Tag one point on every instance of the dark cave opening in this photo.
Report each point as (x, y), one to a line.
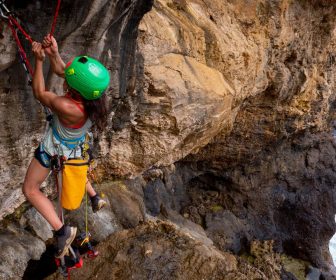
(40, 269)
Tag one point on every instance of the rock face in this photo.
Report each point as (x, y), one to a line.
(17, 248)
(8, 47)
(160, 250)
(220, 119)
(277, 161)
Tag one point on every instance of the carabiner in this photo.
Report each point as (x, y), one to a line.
(2, 15)
(3, 10)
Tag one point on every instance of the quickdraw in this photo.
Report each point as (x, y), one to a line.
(14, 26)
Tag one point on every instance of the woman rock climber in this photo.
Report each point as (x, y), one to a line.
(83, 105)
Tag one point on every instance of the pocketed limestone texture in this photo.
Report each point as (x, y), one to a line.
(220, 119)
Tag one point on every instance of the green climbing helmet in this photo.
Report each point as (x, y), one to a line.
(88, 76)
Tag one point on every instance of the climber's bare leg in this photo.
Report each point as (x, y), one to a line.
(36, 174)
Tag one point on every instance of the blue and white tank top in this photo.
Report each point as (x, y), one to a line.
(65, 141)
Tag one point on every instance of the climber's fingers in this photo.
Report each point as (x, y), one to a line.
(46, 42)
(49, 44)
(38, 50)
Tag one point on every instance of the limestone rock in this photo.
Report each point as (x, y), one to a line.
(237, 95)
(147, 251)
(8, 48)
(313, 274)
(17, 248)
(40, 226)
(127, 206)
(226, 224)
(100, 225)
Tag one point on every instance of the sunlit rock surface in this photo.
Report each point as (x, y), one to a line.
(220, 119)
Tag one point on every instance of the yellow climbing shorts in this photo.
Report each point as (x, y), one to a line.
(74, 178)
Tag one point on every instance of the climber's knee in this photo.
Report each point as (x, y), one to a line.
(30, 190)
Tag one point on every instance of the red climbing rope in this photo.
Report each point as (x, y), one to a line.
(55, 18)
(13, 21)
(13, 25)
(22, 52)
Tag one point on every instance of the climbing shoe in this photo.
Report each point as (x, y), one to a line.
(64, 240)
(97, 203)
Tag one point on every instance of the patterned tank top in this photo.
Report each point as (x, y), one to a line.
(66, 140)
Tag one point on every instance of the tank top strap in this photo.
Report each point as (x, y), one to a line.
(78, 104)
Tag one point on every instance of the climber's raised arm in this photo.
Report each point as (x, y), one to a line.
(38, 84)
(47, 98)
(51, 49)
